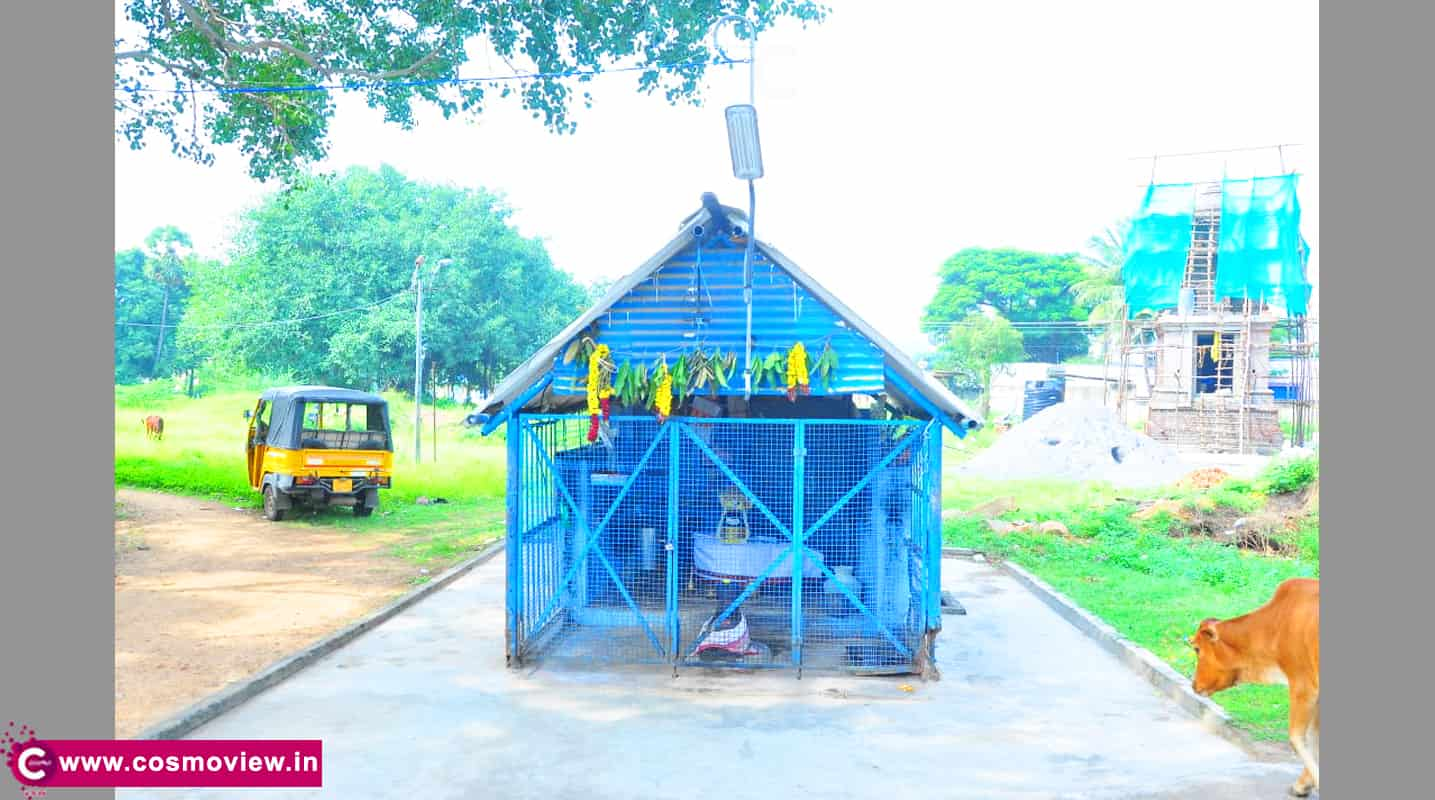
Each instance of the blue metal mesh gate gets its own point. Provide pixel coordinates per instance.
(821, 537)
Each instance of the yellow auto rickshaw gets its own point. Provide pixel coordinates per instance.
(319, 446)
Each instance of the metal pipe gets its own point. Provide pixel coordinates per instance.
(751, 215)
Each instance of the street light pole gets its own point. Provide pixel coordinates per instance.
(418, 287)
(746, 165)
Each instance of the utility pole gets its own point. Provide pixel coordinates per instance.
(418, 287)
(433, 381)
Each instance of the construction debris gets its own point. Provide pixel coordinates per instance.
(1204, 478)
(1081, 443)
(1052, 526)
(1172, 507)
(995, 507)
(950, 605)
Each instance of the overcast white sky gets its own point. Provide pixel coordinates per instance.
(893, 135)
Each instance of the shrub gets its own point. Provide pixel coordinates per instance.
(1284, 476)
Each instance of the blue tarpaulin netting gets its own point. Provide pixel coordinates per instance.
(1156, 247)
(1262, 255)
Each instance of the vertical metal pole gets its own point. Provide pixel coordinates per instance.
(747, 288)
(934, 526)
(1121, 371)
(674, 486)
(433, 381)
(752, 65)
(418, 357)
(514, 546)
(799, 526)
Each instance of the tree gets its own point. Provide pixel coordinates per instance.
(976, 344)
(165, 249)
(598, 289)
(151, 292)
(137, 304)
(200, 70)
(1019, 285)
(1101, 287)
(318, 285)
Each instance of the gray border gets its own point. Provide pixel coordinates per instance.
(57, 564)
(187, 720)
(1375, 66)
(1376, 549)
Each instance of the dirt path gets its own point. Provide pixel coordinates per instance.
(206, 595)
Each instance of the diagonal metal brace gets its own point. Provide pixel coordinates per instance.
(590, 538)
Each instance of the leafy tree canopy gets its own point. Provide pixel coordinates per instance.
(976, 344)
(1021, 286)
(326, 246)
(151, 293)
(197, 71)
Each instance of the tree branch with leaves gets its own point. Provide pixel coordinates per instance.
(202, 73)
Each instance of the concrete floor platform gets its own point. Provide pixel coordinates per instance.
(422, 706)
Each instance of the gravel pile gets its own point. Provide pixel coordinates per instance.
(1080, 442)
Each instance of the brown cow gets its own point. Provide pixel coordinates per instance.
(154, 427)
(1278, 643)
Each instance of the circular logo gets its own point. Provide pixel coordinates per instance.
(34, 763)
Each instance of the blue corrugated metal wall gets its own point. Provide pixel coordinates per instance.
(696, 299)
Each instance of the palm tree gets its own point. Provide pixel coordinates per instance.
(1102, 289)
(165, 249)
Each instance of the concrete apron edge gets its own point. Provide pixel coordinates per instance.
(1133, 656)
(226, 699)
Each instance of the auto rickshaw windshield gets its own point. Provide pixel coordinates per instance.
(345, 426)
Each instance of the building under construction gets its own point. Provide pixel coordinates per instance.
(1216, 296)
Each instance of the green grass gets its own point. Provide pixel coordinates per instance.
(432, 536)
(959, 450)
(202, 455)
(1151, 586)
(1037, 498)
(203, 450)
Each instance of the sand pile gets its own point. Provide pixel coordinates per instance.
(1084, 443)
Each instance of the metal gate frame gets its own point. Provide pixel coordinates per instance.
(926, 531)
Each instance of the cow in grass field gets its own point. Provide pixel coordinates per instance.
(1278, 643)
(154, 427)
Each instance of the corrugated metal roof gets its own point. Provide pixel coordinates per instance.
(695, 300)
(322, 394)
(690, 293)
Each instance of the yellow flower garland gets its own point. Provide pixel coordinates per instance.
(599, 386)
(664, 399)
(796, 366)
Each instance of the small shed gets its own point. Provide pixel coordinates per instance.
(774, 510)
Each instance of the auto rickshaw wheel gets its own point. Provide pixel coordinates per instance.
(362, 508)
(272, 511)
